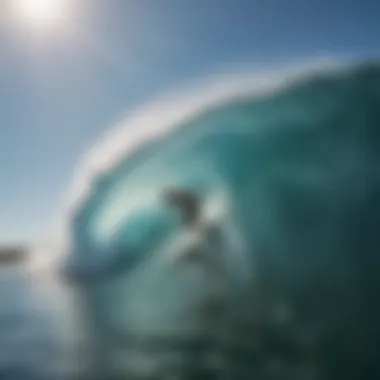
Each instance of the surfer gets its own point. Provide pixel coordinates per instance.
(206, 251)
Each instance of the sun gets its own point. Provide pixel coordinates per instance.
(39, 12)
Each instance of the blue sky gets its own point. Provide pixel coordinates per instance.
(61, 88)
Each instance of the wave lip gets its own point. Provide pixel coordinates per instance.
(154, 120)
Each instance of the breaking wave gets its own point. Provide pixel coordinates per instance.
(289, 161)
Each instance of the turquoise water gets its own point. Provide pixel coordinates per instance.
(278, 278)
(292, 253)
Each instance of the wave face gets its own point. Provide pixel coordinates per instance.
(278, 276)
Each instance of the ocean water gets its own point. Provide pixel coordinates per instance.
(277, 277)
(28, 343)
(38, 339)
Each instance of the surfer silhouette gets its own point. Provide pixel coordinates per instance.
(206, 249)
(187, 202)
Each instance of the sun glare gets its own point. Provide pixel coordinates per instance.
(39, 12)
